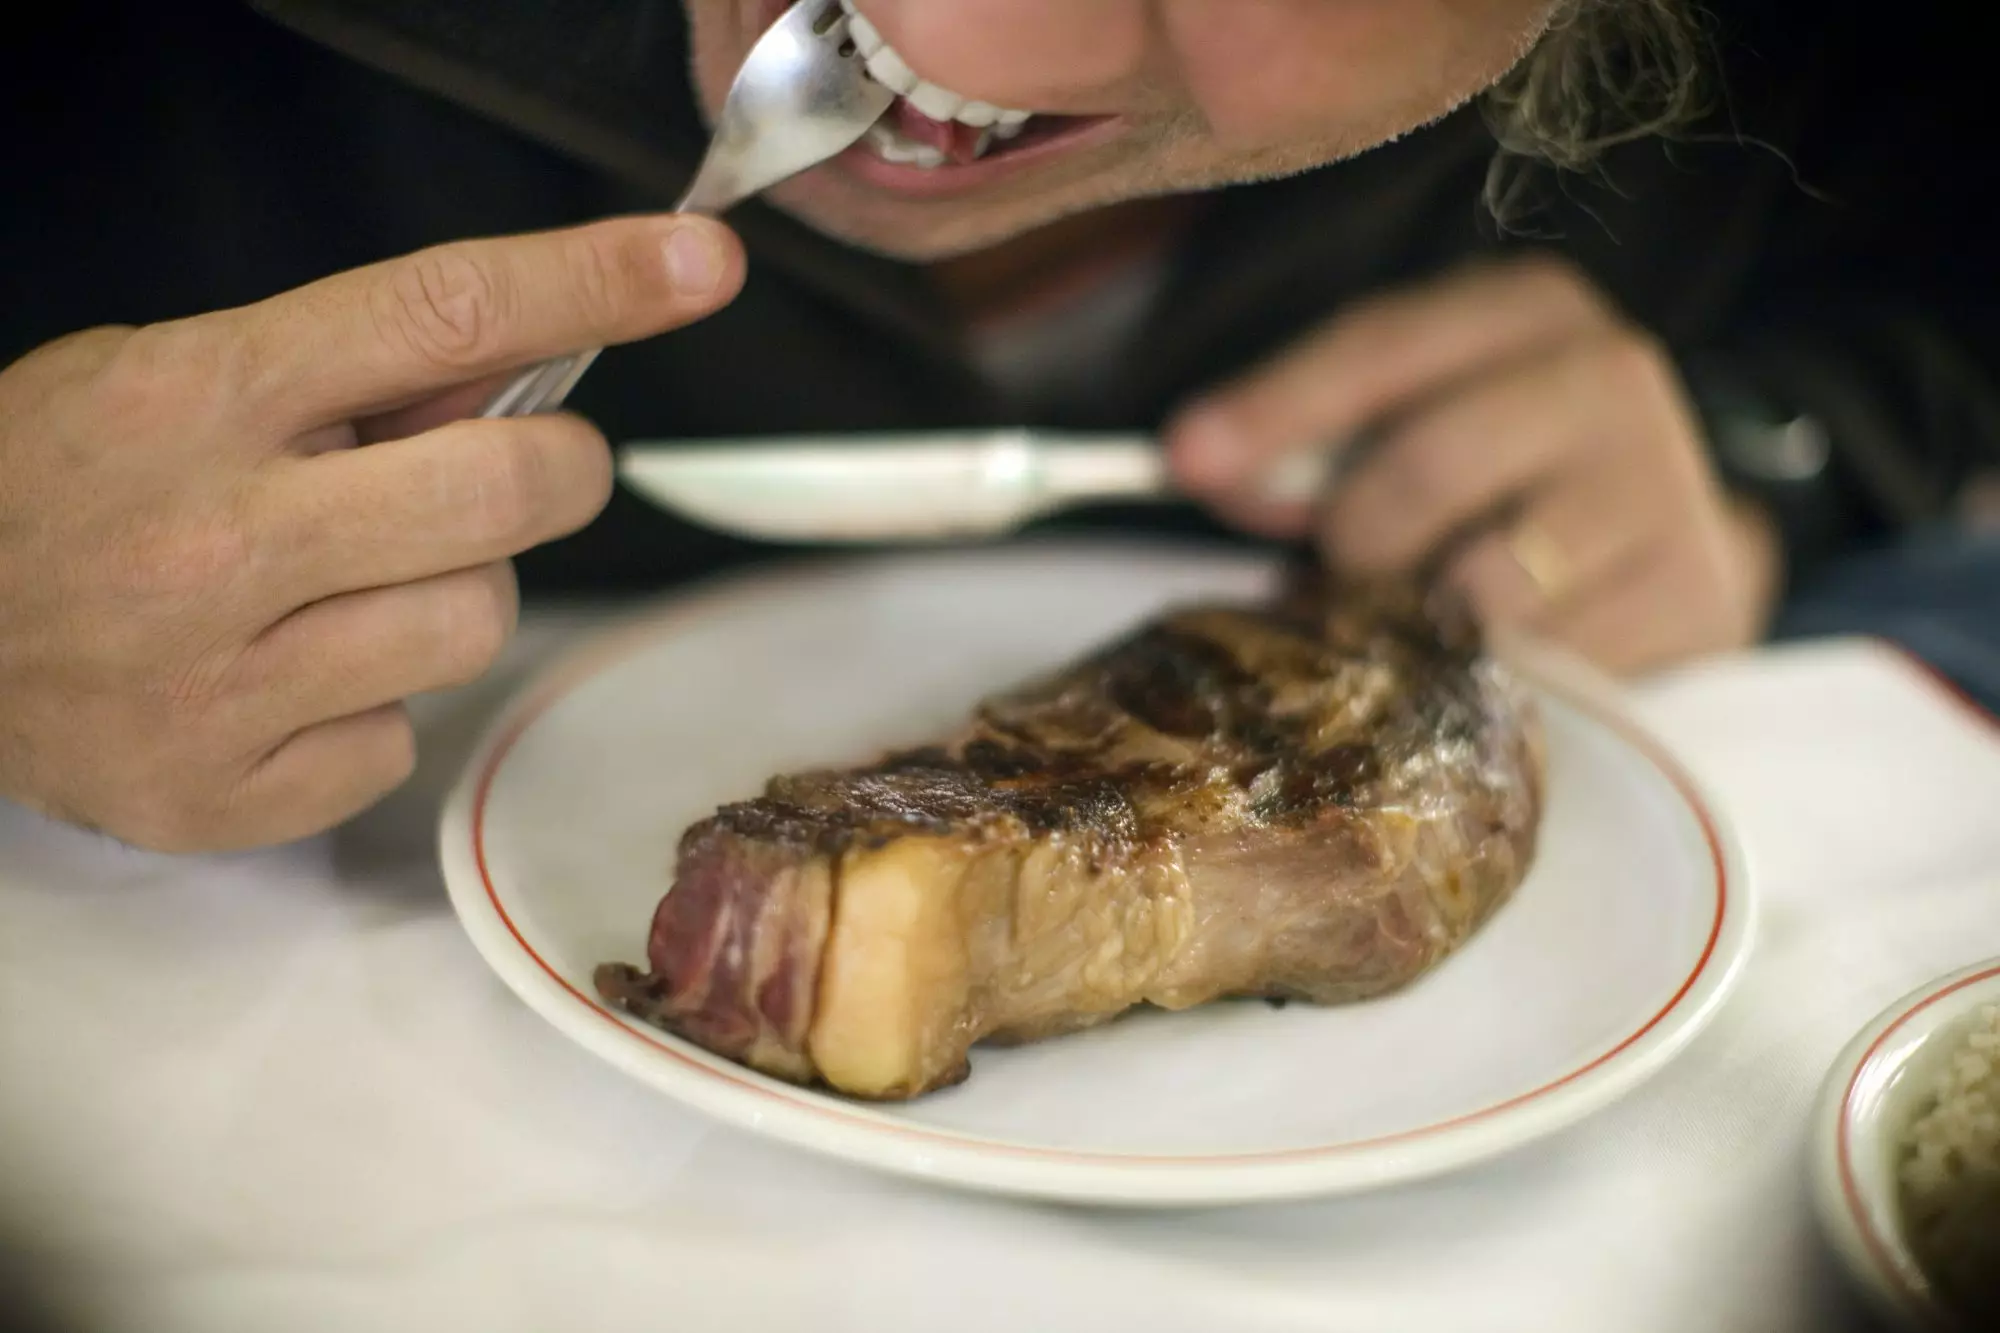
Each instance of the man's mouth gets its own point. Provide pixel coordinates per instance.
(931, 127)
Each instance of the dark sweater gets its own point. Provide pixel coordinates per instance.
(1823, 243)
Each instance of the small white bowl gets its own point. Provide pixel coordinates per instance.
(1869, 1098)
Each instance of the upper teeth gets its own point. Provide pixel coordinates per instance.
(894, 73)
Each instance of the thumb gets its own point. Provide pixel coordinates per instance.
(401, 330)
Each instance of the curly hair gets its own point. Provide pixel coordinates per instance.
(1605, 72)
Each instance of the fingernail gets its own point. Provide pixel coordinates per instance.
(1210, 446)
(694, 260)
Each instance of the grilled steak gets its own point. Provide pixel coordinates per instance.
(1318, 798)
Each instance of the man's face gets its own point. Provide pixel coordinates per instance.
(1131, 98)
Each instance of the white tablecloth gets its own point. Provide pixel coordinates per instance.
(280, 1092)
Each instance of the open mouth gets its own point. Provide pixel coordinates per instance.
(931, 128)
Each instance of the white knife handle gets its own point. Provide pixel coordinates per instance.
(1097, 467)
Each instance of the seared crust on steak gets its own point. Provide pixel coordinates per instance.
(1317, 798)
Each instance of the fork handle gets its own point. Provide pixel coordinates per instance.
(543, 387)
(540, 388)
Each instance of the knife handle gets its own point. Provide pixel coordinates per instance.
(1133, 467)
(1095, 467)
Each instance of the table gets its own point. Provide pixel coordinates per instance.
(279, 1091)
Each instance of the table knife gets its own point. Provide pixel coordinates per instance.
(927, 486)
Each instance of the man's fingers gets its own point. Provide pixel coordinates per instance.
(1627, 624)
(1452, 463)
(393, 332)
(1570, 541)
(1377, 362)
(462, 495)
(319, 777)
(353, 653)
(331, 680)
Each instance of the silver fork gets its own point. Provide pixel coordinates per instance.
(801, 97)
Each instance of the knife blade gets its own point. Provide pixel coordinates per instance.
(924, 486)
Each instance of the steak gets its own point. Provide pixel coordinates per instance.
(1316, 797)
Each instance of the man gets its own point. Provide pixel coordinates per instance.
(1255, 225)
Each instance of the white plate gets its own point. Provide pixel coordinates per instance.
(559, 840)
(1866, 1104)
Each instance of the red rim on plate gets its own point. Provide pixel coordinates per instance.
(590, 664)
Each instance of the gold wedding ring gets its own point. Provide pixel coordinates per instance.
(1540, 558)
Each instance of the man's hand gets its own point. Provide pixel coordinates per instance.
(212, 603)
(1524, 435)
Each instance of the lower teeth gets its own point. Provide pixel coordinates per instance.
(892, 145)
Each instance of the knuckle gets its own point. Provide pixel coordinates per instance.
(1561, 286)
(601, 280)
(194, 561)
(509, 488)
(142, 364)
(1632, 358)
(1544, 268)
(476, 616)
(176, 817)
(443, 306)
(84, 354)
(175, 564)
(392, 754)
(148, 365)
(1550, 273)
(535, 478)
(594, 474)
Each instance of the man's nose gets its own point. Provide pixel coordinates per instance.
(1043, 55)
